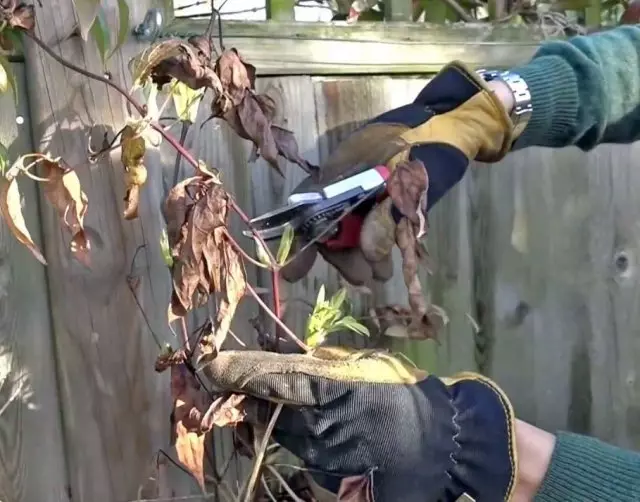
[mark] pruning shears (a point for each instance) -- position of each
(313, 214)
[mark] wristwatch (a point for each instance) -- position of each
(523, 107)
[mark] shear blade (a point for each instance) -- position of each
(271, 225)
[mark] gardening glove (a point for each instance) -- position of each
(413, 437)
(454, 119)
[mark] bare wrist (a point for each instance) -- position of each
(535, 449)
(503, 93)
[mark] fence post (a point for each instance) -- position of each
(280, 10)
(398, 10)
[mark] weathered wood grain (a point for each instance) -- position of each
(115, 407)
(31, 444)
(368, 48)
(555, 246)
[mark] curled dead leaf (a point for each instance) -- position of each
(356, 489)
(250, 114)
(170, 358)
(188, 62)
(188, 401)
(407, 187)
(132, 157)
(224, 411)
(63, 190)
(11, 208)
(397, 321)
(204, 261)
(236, 75)
(17, 15)
(421, 314)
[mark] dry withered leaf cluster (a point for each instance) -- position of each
(400, 322)
(132, 157)
(63, 191)
(407, 188)
(192, 419)
(356, 489)
(235, 100)
(18, 15)
(204, 260)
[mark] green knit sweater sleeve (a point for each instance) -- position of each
(584, 90)
(584, 469)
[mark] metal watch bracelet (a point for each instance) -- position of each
(523, 107)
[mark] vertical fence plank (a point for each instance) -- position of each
(295, 111)
(115, 406)
(31, 448)
(280, 10)
(398, 10)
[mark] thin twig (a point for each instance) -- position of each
(139, 108)
(185, 335)
(257, 466)
(284, 484)
(278, 321)
(267, 490)
(244, 254)
(247, 221)
(178, 166)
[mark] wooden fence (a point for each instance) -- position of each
(541, 250)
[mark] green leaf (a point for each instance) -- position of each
(315, 339)
(87, 11)
(321, 296)
(261, 253)
(123, 25)
(13, 41)
(100, 34)
(285, 245)
(186, 101)
(351, 324)
(7, 78)
(4, 159)
(164, 248)
(338, 299)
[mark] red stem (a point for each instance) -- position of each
(277, 320)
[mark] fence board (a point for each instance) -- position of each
(31, 448)
(369, 47)
(556, 245)
(115, 407)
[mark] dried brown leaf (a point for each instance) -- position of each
(204, 260)
(18, 15)
(224, 411)
(407, 187)
(421, 314)
(187, 415)
(356, 489)
(62, 189)
(397, 321)
(288, 147)
(188, 62)
(132, 157)
(170, 358)
(11, 208)
(236, 75)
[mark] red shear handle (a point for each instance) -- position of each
(349, 227)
